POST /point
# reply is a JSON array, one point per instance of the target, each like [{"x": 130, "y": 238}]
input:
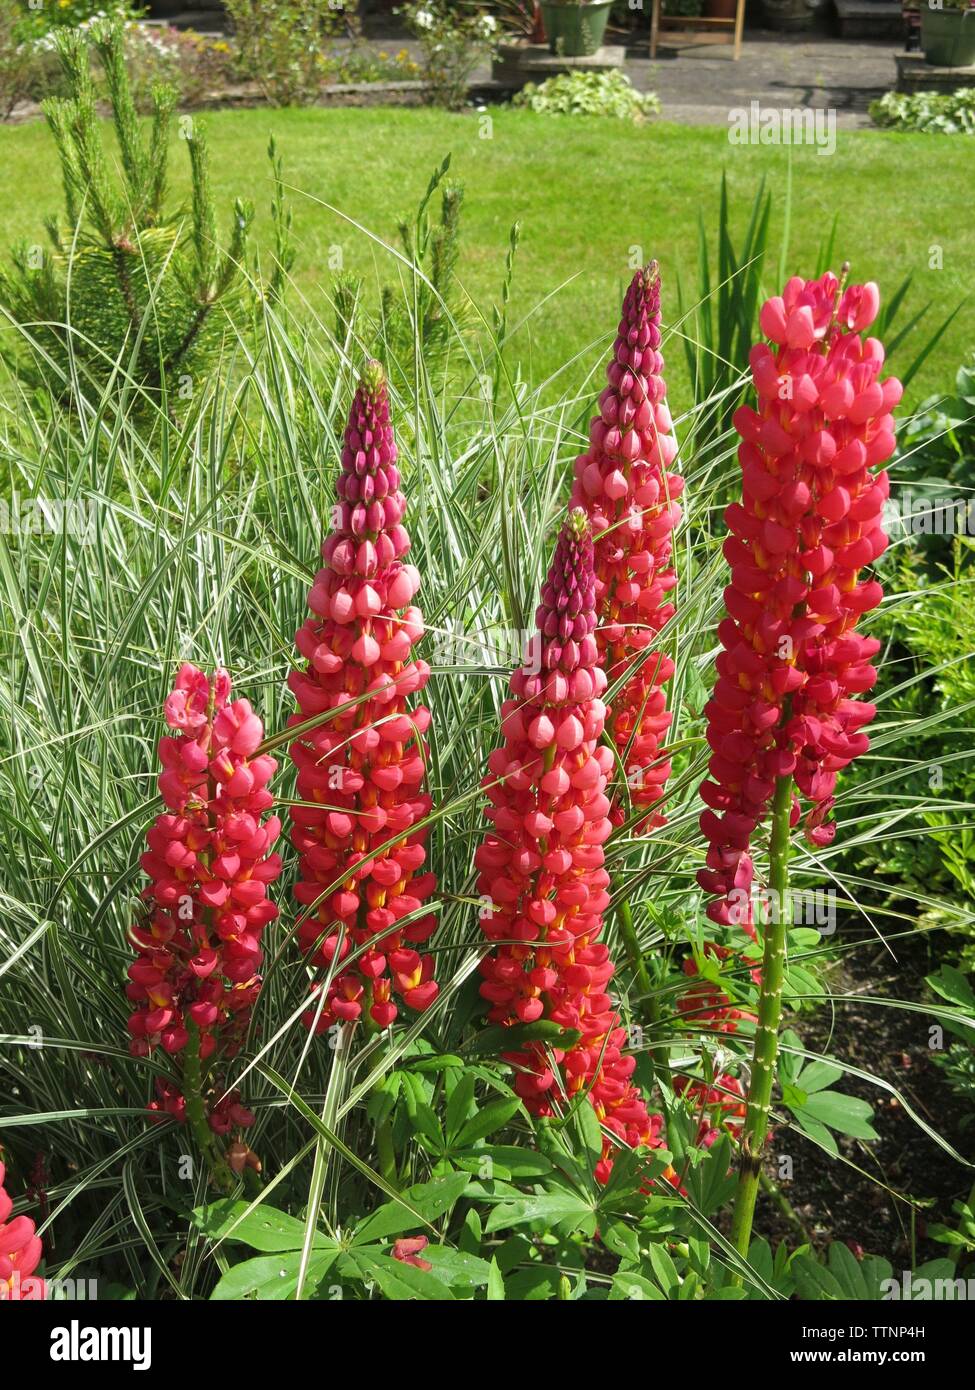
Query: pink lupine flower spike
[
  {"x": 361, "y": 772},
  {"x": 541, "y": 865}
]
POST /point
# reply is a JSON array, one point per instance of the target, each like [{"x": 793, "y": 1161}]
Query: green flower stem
[
  {"x": 766, "y": 1046},
  {"x": 776, "y": 1195},
  {"x": 628, "y": 933},
  {"x": 385, "y": 1151},
  {"x": 196, "y": 1111},
  {"x": 646, "y": 1008}
]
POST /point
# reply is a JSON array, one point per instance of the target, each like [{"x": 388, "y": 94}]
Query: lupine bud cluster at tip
[
  {"x": 208, "y": 856},
  {"x": 622, "y": 483},
  {"x": 542, "y": 866},
  {"x": 20, "y": 1253},
  {"x": 808, "y": 523},
  {"x": 362, "y": 770}
]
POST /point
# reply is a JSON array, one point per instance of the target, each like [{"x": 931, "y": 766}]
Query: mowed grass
[{"x": 593, "y": 198}]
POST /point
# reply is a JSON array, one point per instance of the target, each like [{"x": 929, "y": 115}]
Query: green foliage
[
  {"x": 18, "y": 63},
  {"x": 931, "y": 626},
  {"x": 935, "y": 470},
  {"x": 938, "y": 113},
  {"x": 818, "y": 1109},
  {"x": 418, "y": 322},
  {"x": 841, "y": 1277},
  {"x": 42, "y": 18},
  {"x": 589, "y": 94},
  {"x": 126, "y": 281},
  {"x": 957, "y": 1061}
]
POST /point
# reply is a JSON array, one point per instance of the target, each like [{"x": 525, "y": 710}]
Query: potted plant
[
  {"x": 948, "y": 33},
  {"x": 575, "y": 28}
]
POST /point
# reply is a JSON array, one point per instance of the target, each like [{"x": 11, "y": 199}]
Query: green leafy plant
[
  {"x": 936, "y": 113},
  {"x": 957, "y": 1061},
  {"x": 126, "y": 281},
  {"x": 588, "y": 94}
]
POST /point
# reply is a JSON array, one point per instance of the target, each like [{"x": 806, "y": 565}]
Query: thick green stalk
[
  {"x": 646, "y": 1007},
  {"x": 196, "y": 1111},
  {"x": 385, "y": 1150},
  {"x": 767, "y": 1032}
]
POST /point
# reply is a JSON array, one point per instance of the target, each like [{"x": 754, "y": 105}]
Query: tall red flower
[
  {"x": 541, "y": 866},
  {"x": 808, "y": 524},
  {"x": 199, "y": 940},
  {"x": 361, "y": 769},
  {"x": 20, "y": 1253},
  {"x": 623, "y": 485}
]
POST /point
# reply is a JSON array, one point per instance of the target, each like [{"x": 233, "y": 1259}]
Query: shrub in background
[
  {"x": 283, "y": 45},
  {"x": 454, "y": 40},
  {"x": 196, "y": 65}
]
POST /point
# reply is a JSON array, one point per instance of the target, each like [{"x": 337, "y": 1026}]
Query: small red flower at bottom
[
  {"x": 20, "y": 1254},
  {"x": 407, "y": 1251}
]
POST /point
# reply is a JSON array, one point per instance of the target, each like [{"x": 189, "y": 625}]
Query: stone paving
[
  {"x": 698, "y": 82},
  {"x": 701, "y": 83}
]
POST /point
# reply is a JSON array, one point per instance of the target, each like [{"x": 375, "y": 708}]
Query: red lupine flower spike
[
  {"x": 209, "y": 860},
  {"x": 541, "y": 866},
  {"x": 623, "y": 485},
  {"x": 362, "y": 771},
  {"x": 808, "y": 524},
  {"x": 20, "y": 1253}
]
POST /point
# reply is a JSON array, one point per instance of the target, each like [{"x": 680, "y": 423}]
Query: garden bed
[
  {"x": 440, "y": 852},
  {"x": 835, "y": 1202}
]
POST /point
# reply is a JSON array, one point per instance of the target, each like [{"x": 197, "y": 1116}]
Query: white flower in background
[
  {"x": 423, "y": 19},
  {"x": 488, "y": 25}
]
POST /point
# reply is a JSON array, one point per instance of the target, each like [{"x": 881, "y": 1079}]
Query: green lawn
[{"x": 586, "y": 192}]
